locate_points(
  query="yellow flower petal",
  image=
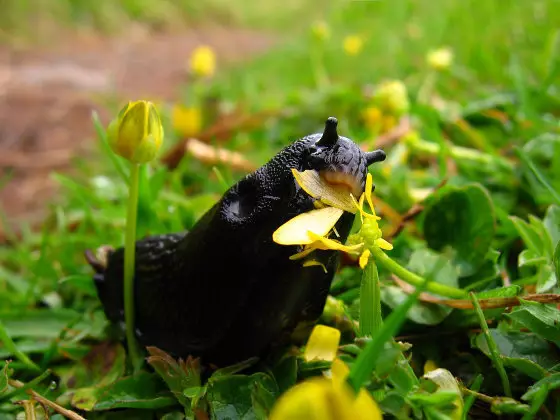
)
(429, 366)
(326, 243)
(295, 231)
(368, 191)
(339, 371)
(337, 196)
(322, 344)
(383, 244)
(308, 400)
(313, 263)
(303, 253)
(366, 406)
(364, 258)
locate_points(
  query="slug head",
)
(339, 160)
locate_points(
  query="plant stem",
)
(12, 348)
(129, 263)
(494, 353)
(370, 300)
(409, 277)
(460, 153)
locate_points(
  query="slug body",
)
(225, 291)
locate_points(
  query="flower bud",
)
(136, 134)
(203, 61)
(320, 30)
(392, 97)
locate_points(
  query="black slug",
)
(224, 291)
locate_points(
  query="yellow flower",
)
(440, 59)
(328, 397)
(320, 30)
(187, 121)
(137, 133)
(312, 229)
(429, 366)
(372, 118)
(203, 61)
(353, 44)
(392, 97)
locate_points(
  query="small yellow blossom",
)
(440, 59)
(392, 97)
(137, 133)
(353, 44)
(320, 30)
(372, 118)
(328, 397)
(203, 61)
(187, 121)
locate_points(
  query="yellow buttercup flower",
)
(203, 61)
(328, 397)
(353, 44)
(312, 229)
(187, 121)
(392, 97)
(372, 118)
(440, 59)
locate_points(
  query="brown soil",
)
(47, 96)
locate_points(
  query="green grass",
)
(489, 126)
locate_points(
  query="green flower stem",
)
(370, 300)
(129, 257)
(460, 153)
(409, 277)
(13, 349)
(495, 354)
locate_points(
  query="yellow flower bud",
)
(353, 44)
(440, 59)
(187, 121)
(203, 61)
(320, 30)
(136, 134)
(392, 97)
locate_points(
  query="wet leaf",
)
(543, 320)
(461, 219)
(142, 390)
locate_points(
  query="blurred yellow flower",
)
(392, 97)
(353, 44)
(187, 121)
(137, 133)
(320, 30)
(203, 61)
(429, 366)
(372, 118)
(440, 59)
(329, 397)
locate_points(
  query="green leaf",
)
(82, 282)
(525, 352)
(546, 278)
(142, 390)
(551, 222)
(285, 373)
(463, 220)
(541, 319)
(4, 378)
(182, 377)
(528, 258)
(551, 382)
(505, 405)
(557, 260)
(232, 397)
(531, 237)
(424, 313)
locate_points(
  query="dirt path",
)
(47, 96)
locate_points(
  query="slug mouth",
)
(343, 179)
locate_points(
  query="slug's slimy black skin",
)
(225, 291)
